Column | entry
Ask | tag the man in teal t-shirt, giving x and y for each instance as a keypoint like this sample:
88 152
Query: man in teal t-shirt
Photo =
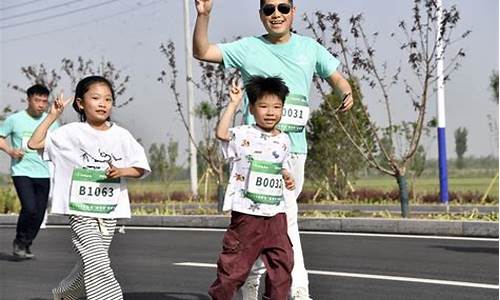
29 172
295 59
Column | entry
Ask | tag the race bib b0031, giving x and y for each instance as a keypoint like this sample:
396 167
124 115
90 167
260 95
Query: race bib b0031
265 182
93 192
295 114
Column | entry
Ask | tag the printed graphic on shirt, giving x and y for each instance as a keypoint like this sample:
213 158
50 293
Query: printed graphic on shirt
90 161
256 182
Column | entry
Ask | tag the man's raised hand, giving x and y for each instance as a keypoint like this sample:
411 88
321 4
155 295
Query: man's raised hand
204 7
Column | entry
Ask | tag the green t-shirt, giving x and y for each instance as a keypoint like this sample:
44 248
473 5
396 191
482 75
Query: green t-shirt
295 62
20 126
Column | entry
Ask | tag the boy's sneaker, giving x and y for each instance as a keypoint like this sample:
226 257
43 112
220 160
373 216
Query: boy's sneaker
250 291
300 294
18 251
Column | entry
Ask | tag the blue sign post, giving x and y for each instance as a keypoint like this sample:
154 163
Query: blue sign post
443 169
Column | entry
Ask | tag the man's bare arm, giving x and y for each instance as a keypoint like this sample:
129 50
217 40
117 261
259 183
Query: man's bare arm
343 89
202 48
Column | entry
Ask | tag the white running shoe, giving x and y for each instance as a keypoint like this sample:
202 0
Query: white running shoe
250 291
300 293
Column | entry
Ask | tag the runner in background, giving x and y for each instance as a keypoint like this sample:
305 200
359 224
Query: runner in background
29 172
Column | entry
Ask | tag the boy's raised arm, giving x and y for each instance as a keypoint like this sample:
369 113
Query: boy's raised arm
236 95
202 48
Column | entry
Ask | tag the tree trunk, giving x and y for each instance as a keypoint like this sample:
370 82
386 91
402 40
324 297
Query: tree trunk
413 187
221 191
403 195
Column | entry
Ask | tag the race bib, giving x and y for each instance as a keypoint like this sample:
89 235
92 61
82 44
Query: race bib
295 114
265 182
93 192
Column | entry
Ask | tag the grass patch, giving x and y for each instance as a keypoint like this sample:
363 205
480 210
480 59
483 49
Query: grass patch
472 215
9 202
426 185
431 184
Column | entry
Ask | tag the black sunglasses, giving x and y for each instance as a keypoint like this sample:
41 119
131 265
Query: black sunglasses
269 9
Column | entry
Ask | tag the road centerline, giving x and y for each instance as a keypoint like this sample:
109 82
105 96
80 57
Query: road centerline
369 276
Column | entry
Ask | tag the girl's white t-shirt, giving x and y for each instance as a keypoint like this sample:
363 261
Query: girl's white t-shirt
78 145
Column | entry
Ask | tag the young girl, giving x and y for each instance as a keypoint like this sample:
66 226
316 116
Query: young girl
91 160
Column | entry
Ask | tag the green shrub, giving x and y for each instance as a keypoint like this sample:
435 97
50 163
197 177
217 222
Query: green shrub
8 201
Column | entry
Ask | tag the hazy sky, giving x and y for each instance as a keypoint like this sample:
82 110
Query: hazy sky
129 33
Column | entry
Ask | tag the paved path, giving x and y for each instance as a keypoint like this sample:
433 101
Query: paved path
160 264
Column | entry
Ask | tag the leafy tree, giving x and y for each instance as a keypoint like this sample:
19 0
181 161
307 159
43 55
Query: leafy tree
460 145
157 161
492 118
494 85
397 142
37 75
3 115
80 68
163 163
417 167
213 82
74 70
332 159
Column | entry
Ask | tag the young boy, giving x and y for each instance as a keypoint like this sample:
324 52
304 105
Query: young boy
259 155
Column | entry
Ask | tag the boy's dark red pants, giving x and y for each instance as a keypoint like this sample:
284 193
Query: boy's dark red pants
246 238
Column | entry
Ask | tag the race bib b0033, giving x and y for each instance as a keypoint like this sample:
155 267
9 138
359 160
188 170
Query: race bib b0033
265 182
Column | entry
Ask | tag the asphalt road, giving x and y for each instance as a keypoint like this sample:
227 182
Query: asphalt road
179 264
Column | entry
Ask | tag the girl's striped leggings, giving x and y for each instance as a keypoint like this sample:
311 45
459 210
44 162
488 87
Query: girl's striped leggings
92 275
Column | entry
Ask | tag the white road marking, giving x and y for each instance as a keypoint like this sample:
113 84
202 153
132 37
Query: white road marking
412 236
370 276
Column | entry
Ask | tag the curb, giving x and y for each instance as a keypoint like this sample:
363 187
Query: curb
303 207
358 225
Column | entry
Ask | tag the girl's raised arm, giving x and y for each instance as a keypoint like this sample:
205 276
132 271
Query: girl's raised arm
37 140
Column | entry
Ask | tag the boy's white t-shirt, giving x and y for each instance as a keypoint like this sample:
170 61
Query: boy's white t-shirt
78 145
247 143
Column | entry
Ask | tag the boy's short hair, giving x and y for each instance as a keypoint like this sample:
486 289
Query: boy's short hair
37 89
262 2
259 86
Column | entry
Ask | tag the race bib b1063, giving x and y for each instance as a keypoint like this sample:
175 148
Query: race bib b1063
93 192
